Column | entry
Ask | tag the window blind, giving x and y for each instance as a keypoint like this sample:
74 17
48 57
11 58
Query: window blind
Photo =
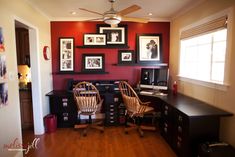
209 26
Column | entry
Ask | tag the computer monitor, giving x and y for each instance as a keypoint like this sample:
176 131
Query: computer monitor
154 78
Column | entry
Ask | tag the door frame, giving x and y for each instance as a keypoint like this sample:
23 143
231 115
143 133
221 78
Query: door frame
35 75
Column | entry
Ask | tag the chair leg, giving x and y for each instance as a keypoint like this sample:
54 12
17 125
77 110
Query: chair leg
126 117
129 126
89 120
84 133
137 125
96 125
101 128
126 125
140 131
139 121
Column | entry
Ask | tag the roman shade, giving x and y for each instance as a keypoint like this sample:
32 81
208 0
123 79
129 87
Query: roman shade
216 24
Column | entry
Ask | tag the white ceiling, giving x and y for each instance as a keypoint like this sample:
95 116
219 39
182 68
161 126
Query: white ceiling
162 10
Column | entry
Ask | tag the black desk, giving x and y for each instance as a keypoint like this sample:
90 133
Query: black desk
186 122
62 104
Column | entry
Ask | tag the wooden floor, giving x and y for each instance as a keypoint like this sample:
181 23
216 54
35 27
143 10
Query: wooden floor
68 142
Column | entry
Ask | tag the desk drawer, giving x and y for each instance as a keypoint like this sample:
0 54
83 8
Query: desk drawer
66 119
111 118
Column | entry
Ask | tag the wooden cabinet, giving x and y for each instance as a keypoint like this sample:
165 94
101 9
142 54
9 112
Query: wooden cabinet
166 123
26 109
181 133
22 46
63 106
112 102
185 122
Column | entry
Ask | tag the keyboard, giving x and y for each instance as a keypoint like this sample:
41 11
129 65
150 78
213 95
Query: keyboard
146 92
152 93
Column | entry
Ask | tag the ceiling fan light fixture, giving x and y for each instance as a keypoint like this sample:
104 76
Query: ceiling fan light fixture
112 21
111 17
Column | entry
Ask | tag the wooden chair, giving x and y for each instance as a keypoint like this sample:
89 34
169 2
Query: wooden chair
135 109
88 101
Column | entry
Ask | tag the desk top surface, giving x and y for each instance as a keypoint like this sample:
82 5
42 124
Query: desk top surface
185 104
191 106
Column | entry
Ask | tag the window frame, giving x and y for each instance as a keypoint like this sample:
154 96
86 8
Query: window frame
215 85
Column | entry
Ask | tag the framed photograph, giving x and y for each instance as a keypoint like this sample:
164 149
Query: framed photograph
3 67
149 48
3 94
94 39
66 54
93 62
2 47
125 56
115 36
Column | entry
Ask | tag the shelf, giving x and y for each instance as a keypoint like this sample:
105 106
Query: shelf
79 73
104 46
93 72
141 64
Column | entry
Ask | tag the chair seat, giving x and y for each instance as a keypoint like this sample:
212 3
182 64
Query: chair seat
149 109
89 103
136 109
87 113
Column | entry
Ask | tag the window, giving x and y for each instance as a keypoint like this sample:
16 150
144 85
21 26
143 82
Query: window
203 51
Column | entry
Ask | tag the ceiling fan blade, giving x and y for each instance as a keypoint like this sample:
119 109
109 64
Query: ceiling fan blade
135 19
129 10
97 19
91 11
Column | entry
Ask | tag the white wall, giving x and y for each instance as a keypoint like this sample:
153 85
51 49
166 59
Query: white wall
221 99
10 114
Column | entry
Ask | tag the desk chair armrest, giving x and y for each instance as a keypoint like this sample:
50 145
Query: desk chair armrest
101 102
145 103
100 105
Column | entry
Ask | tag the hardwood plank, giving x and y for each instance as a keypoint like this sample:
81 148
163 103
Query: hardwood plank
69 142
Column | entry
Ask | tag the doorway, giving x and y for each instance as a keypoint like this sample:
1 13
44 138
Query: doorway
24 76
34 82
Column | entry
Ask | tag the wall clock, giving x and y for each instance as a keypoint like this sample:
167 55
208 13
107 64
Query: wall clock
46 53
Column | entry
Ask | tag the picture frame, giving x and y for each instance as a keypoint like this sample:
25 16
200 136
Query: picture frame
93 63
3 94
149 48
66 54
2 46
126 56
3 67
116 36
94 39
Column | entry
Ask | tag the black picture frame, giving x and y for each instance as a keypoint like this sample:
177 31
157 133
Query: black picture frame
4 94
66 54
94 39
126 56
93 63
116 36
149 48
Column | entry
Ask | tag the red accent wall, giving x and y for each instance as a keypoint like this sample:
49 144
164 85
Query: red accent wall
78 29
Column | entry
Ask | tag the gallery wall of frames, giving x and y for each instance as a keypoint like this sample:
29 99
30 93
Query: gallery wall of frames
94 51
3 72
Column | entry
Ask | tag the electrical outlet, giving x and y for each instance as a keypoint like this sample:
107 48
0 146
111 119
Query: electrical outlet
12 76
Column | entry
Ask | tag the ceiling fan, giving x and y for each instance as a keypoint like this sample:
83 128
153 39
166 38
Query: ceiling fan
113 17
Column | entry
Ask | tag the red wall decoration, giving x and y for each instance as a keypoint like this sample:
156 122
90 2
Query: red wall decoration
78 29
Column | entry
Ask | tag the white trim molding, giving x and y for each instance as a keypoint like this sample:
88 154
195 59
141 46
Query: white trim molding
214 85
